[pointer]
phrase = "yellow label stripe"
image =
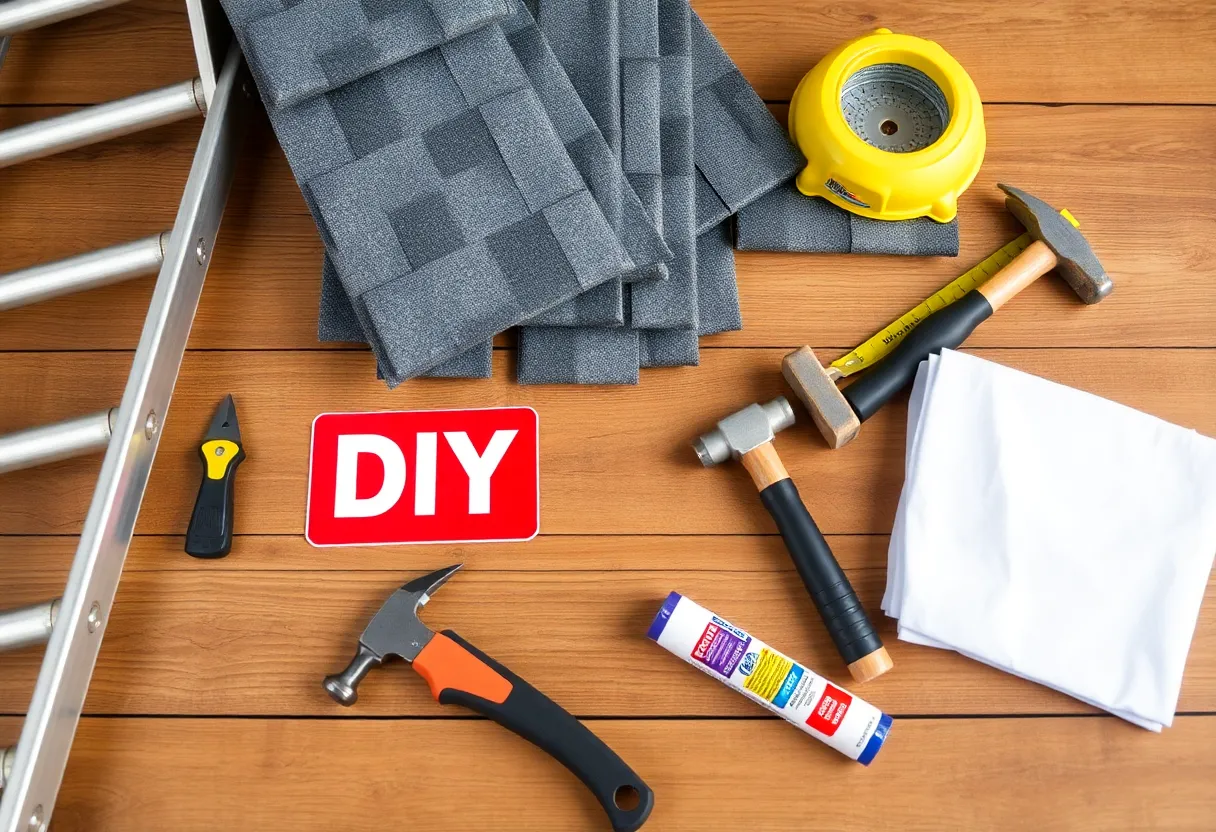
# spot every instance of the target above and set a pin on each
(768, 675)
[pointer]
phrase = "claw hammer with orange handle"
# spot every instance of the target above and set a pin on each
(460, 674)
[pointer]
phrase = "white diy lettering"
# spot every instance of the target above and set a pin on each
(424, 474)
(480, 468)
(346, 502)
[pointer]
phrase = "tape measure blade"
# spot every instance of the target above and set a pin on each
(878, 347)
(887, 339)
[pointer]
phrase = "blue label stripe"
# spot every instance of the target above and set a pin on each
(787, 687)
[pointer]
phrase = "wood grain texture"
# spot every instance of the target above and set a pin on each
(110, 54)
(1076, 50)
(1079, 775)
(241, 642)
(722, 554)
(634, 443)
(225, 659)
(1142, 180)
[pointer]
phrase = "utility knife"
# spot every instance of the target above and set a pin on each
(210, 531)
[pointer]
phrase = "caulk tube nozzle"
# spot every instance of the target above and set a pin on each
(829, 713)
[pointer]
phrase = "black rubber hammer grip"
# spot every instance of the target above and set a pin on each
(945, 329)
(830, 590)
(747, 435)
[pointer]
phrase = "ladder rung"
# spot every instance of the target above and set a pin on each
(61, 440)
(83, 271)
(24, 626)
(22, 15)
(101, 122)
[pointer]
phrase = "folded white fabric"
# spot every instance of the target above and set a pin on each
(1052, 534)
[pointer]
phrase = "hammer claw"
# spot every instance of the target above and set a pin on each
(427, 584)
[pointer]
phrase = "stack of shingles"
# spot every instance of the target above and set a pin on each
(568, 166)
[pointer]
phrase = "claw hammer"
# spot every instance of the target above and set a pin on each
(460, 674)
(747, 436)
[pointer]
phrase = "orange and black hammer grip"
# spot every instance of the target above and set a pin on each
(460, 674)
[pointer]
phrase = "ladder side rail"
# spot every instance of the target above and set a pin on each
(50, 725)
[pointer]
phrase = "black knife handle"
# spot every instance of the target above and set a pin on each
(209, 534)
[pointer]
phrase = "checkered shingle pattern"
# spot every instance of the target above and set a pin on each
(556, 357)
(742, 152)
(584, 48)
(448, 163)
(717, 289)
(672, 304)
(297, 49)
(786, 220)
(337, 321)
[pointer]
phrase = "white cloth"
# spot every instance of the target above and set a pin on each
(1052, 534)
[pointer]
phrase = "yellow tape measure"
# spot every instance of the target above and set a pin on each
(878, 347)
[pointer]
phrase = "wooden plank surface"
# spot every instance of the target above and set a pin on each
(1118, 169)
(1079, 775)
(206, 710)
(240, 641)
(1113, 51)
(631, 442)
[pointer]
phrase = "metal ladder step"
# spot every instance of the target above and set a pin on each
(62, 440)
(26, 626)
(23, 15)
(101, 122)
(72, 626)
(84, 271)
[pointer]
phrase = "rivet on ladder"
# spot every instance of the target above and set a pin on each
(36, 823)
(151, 425)
(200, 251)
(94, 617)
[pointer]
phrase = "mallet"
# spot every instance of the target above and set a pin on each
(1057, 245)
(748, 436)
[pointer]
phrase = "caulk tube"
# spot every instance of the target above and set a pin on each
(829, 713)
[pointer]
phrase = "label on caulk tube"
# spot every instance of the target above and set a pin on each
(829, 713)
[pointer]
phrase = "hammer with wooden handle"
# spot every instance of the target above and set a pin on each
(1057, 245)
(748, 436)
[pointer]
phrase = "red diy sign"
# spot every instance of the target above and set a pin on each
(424, 476)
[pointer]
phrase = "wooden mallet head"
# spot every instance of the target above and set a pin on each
(816, 387)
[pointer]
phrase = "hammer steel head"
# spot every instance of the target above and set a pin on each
(744, 431)
(1077, 262)
(829, 409)
(395, 630)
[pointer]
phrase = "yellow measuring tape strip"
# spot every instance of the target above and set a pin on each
(878, 347)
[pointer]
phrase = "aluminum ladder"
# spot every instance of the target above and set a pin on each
(72, 626)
